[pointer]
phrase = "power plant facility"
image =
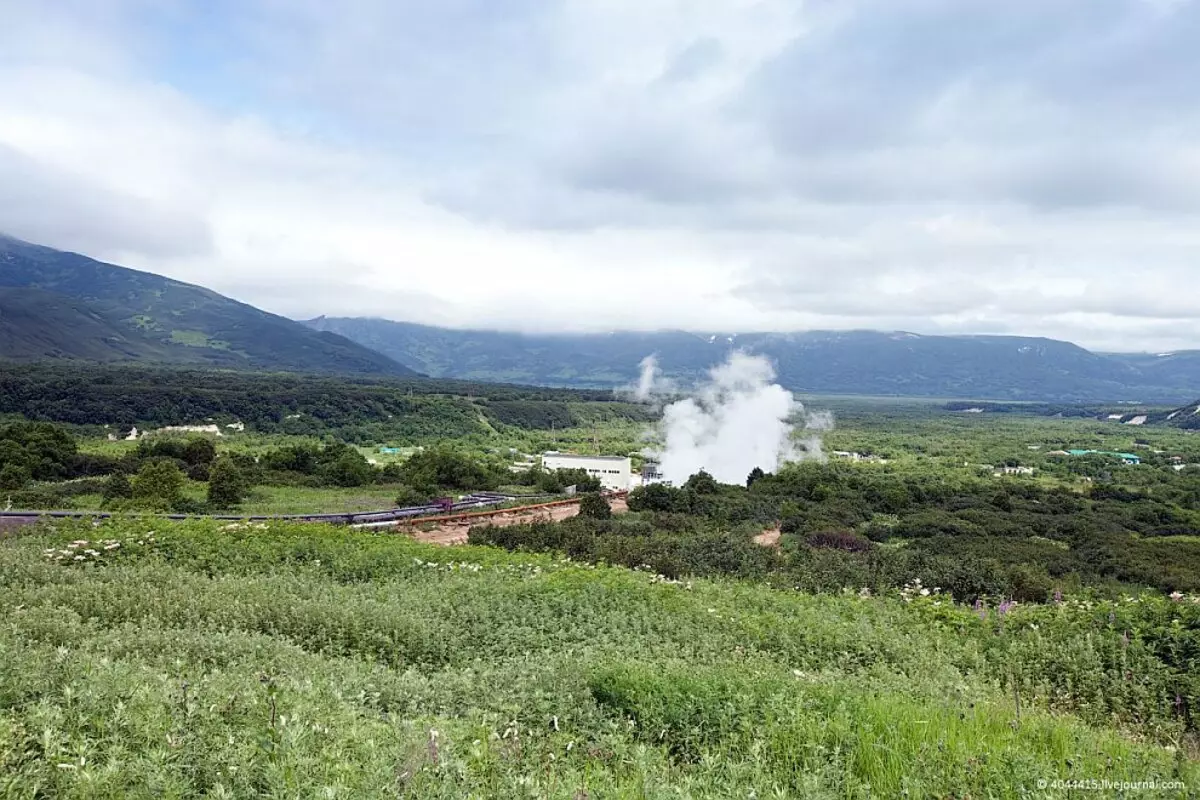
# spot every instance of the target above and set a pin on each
(613, 471)
(652, 473)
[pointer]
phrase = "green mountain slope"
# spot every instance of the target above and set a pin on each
(63, 305)
(36, 324)
(849, 362)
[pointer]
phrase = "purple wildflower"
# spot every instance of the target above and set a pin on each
(981, 609)
(1058, 595)
(1006, 607)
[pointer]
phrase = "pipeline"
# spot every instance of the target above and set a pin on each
(468, 516)
(384, 516)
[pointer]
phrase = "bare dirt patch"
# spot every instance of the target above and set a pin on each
(452, 532)
(769, 537)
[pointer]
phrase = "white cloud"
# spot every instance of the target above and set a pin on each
(922, 164)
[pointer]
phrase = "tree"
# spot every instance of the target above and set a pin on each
(702, 483)
(755, 475)
(408, 496)
(595, 506)
(46, 450)
(117, 487)
(350, 469)
(199, 451)
(14, 476)
(226, 484)
(658, 497)
(442, 468)
(158, 484)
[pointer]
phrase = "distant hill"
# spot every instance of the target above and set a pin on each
(1186, 417)
(58, 305)
(849, 362)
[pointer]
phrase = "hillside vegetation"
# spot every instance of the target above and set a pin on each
(57, 305)
(196, 660)
(291, 403)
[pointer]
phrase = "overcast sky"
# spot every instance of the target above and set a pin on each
(1025, 166)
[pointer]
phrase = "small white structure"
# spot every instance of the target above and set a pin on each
(613, 471)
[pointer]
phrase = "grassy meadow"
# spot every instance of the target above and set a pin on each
(199, 659)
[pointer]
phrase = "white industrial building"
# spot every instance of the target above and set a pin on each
(613, 471)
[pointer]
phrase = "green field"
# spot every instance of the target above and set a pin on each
(305, 661)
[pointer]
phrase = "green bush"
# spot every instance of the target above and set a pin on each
(14, 476)
(158, 485)
(594, 506)
(117, 487)
(226, 484)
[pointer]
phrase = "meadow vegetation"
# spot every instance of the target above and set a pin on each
(924, 625)
(231, 660)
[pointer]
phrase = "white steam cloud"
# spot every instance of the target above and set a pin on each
(740, 419)
(650, 376)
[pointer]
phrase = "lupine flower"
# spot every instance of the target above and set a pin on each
(1058, 595)
(981, 609)
(1006, 606)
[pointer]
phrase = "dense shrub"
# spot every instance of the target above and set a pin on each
(440, 468)
(158, 485)
(117, 487)
(14, 476)
(40, 450)
(226, 484)
(849, 541)
(595, 506)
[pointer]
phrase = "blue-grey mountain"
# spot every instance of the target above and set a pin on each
(820, 362)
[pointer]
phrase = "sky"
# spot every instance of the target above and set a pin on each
(939, 166)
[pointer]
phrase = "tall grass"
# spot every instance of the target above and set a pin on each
(305, 661)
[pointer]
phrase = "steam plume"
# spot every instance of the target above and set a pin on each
(651, 374)
(736, 421)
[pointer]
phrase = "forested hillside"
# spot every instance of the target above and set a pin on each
(123, 396)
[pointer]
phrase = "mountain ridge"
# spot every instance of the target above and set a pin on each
(60, 305)
(895, 363)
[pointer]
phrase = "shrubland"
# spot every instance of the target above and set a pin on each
(851, 526)
(242, 660)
